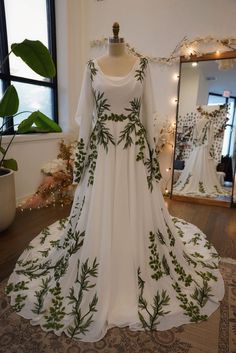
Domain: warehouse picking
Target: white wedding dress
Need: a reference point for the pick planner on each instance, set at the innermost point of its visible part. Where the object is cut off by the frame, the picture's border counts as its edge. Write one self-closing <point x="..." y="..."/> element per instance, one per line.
<point x="199" y="177"/>
<point x="119" y="259"/>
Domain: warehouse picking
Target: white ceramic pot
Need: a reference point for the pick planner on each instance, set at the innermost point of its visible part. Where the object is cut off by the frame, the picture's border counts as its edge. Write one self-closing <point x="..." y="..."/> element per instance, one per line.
<point x="7" y="198"/>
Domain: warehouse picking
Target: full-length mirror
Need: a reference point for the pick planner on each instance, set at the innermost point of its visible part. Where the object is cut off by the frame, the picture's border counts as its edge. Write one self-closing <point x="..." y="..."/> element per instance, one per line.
<point x="204" y="159"/>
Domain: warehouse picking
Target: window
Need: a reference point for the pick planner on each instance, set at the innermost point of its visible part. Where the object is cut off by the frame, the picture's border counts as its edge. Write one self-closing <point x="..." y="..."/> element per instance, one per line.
<point x="34" y="20"/>
<point x="217" y="99"/>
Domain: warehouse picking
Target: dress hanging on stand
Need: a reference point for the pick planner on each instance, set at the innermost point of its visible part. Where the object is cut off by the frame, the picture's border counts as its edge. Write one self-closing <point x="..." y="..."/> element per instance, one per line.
<point x="199" y="177"/>
<point x="119" y="259"/>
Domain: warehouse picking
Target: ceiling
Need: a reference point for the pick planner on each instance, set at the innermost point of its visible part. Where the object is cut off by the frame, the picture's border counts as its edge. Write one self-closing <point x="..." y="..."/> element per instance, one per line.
<point x="218" y="80"/>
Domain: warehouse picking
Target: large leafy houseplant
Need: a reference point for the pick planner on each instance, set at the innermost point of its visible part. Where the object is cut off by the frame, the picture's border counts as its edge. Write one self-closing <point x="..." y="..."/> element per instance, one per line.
<point x="38" y="58"/>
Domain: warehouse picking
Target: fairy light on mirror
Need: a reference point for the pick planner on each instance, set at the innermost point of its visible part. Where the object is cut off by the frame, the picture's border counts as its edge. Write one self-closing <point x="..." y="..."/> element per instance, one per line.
<point x="175" y="76"/>
<point x="174" y="100"/>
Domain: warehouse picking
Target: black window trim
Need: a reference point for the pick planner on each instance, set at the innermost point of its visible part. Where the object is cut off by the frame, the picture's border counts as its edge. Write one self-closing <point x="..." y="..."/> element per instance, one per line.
<point x="5" y="75"/>
<point x="234" y="113"/>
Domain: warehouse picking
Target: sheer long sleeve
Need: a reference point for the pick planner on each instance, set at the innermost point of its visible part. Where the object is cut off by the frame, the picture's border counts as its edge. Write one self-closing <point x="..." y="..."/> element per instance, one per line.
<point x="84" y="118"/>
<point x="148" y="114"/>
<point x="148" y="109"/>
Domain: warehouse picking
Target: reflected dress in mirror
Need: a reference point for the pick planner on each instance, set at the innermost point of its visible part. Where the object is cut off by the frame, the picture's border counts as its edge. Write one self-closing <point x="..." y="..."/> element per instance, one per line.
<point x="199" y="176"/>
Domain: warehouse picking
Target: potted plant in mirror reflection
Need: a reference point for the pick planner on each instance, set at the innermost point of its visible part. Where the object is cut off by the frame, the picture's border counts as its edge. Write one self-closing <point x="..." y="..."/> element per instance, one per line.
<point x="38" y="58"/>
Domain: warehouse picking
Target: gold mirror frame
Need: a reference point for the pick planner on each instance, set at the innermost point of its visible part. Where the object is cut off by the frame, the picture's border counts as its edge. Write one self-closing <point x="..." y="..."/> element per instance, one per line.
<point x="232" y="203"/>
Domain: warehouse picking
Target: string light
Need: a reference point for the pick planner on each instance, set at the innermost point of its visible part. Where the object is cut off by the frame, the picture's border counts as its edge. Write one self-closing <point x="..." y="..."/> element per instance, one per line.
<point x="185" y="48"/>
<point x="174" y="100"/>
<point x="56" y="187"/>
<point x="175" y="76"/>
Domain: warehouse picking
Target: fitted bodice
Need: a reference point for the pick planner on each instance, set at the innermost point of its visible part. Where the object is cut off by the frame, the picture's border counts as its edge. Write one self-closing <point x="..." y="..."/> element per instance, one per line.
<point x="117" y="92"/>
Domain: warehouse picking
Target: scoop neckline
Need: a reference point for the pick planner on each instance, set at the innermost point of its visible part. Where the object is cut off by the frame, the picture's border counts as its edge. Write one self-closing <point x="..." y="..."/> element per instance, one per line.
<point x="117" y="78"/>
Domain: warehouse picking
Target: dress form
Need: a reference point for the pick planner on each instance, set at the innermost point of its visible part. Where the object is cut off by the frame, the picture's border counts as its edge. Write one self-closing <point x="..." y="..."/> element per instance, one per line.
<point x="117" y="62"/>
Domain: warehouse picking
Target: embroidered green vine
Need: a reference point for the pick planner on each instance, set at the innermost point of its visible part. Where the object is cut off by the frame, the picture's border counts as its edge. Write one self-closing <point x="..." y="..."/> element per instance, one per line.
<point x="56" y="310"/>
<point x="82" y="321"/>
<point x="160" y="301"/>
<point x="79" y="161"/>
<point x="140" y="73"/>
<point x="93" y="69"/>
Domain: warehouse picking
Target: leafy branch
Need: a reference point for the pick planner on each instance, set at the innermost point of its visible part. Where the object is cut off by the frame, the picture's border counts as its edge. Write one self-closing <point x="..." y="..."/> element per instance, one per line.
<point x="40" y="295"/>
<point x="159" y="302"/>
<point x="83" y="321"/>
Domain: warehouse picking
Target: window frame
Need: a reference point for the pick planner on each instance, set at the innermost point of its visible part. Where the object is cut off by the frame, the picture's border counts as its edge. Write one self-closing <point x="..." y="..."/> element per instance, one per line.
<point x="5" y="75"/>
<point x="234" y="116"/>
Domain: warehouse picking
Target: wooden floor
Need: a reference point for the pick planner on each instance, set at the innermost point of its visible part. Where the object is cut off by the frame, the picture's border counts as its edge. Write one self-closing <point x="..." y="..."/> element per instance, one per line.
<point x="218" y="223"/>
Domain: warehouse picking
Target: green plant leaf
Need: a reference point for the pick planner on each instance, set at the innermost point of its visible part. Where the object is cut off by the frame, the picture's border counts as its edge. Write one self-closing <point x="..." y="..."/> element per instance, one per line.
<point x="10" y="164"/>
<point x="42" y="124"/>
<point x="9" y="103"/>
<point x="36" y="56"/>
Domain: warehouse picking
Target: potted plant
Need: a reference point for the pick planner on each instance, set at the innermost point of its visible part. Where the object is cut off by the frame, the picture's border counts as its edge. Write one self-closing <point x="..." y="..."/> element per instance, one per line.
<point x="38" y="58"/>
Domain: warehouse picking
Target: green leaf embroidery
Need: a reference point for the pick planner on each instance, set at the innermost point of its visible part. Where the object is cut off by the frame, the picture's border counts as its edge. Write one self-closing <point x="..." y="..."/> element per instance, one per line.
<point x="45" y="233"/>
<point x="190" y="309"/>
<point x="82" y="321"/>
<point x="101" y="103"/>
<point x="93" y="70"/>
<point x="140" y="73"/>
<point x="201" y="187"/>
<point x="202" y="294"/>
<point x="186" y="182"/>
<point x="40" y="296"/>
<point x="79" y="162"/>
<point x="56" y="310"/>
<point x="19" y="286"/>
<point x="157" y="308"/>
<point x="183" y="277"/>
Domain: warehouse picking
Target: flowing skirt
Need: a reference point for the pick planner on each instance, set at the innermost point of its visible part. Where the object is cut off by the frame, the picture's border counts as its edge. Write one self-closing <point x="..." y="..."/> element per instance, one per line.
<point x="119" y="259"/>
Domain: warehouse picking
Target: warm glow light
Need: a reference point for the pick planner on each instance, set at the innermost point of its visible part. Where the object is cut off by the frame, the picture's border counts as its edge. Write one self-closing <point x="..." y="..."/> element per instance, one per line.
<point x="175" y="76"/>
<point x="194" y="64"/>
<point x="167" y="169"/>
<point x="190" y="51"/>
<point x="174" y="100"/>
<point x="217" y="52"/>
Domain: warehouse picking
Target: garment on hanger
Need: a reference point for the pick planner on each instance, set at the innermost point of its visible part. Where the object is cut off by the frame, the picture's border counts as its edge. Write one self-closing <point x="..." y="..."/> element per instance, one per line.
<point x="199" y="177"/>
<point x="119" y="259"/>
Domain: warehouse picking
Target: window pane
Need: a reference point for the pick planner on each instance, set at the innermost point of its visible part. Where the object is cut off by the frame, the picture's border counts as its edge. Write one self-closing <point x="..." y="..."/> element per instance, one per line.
<point x="215" y="100"/>
<point x="231" y="111"/>
<point x="33" y="98"/>
<point x="1" y="89"/>
<point x="26" y="19"/>
<point x="225" y="149"/>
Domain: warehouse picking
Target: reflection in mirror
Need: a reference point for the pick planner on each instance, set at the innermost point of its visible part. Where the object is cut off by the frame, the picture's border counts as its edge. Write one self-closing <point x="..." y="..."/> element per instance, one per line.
<point x="204" y="159"/>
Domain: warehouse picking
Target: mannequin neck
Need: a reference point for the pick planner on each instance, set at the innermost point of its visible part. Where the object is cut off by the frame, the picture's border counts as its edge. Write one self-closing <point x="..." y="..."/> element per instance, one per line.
<point x="116" y="49"/>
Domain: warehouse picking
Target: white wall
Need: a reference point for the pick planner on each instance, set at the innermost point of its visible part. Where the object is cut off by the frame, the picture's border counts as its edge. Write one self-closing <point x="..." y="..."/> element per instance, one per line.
<point x="31" y="153"/>
<point x="189" y="88"/>
<point x="152" y="26"/>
